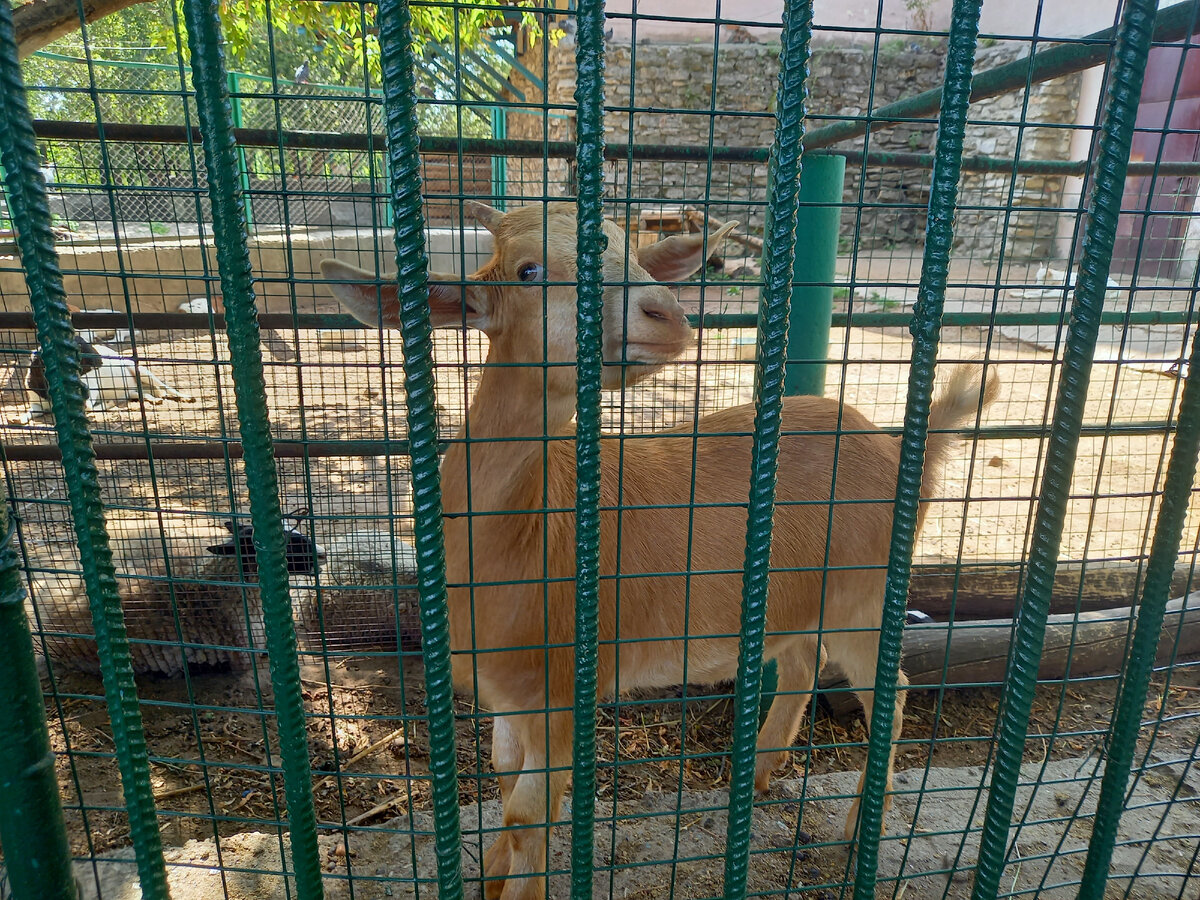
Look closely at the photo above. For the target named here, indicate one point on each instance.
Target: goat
(510, 550)
(118, 380)
(212, 589)
(36, 383)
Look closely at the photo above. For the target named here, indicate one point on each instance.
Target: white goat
(678, 497)
(119, 380)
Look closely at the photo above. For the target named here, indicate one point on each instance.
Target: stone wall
(666, 93)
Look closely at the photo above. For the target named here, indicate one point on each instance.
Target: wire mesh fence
(344, 779)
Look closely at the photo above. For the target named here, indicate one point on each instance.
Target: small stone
(995, 462)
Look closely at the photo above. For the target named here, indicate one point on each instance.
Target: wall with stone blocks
(674, 94)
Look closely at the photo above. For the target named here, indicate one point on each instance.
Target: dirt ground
(366, 720)
(211, 736)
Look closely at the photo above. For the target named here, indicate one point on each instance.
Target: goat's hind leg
(798, 666)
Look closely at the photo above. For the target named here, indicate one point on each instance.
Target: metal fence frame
(44, 870)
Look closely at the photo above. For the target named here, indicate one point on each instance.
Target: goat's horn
(485, 215)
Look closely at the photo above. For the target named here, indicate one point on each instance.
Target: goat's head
(302, 553)
(524, 299)
(35, 377)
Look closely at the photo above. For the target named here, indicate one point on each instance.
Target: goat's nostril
(656, 314)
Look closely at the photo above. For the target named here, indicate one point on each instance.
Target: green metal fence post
(235, 106)
(499, 163)
(412, 265)
(926, 331)
(591, 243)
(770, 371)
(60, 354)
(1125, 85)
(32, 831)
(245, 349)
(817, 220)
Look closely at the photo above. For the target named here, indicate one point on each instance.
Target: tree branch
(39, 22)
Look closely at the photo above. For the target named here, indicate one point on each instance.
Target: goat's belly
(662, 663)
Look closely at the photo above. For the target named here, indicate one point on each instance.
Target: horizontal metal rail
(326, 140)
(363, 449)
(19, 321)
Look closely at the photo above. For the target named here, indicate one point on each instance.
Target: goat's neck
(504, 435)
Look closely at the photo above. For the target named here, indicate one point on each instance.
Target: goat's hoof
(496, 863)
(852, 823)
(765, 768)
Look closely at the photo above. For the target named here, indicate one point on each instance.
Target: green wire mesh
(313, 709)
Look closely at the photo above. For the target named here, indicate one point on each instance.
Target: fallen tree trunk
(992, 591)
(976, 653)
(1092, 643)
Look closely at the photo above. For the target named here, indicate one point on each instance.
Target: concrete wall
(159, 274)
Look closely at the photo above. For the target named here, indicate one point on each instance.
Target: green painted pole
(499, 163)
(235, 108)
(817, 221)
(32, 831)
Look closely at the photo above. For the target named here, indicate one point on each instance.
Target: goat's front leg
(797, 665)
(515, 866)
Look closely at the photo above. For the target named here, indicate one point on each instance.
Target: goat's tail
(962, 397)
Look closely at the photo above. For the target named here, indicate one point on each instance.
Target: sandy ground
(644, 847)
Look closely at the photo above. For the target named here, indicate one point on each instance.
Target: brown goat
(511, 574)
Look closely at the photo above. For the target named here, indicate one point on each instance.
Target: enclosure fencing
(1061, 521)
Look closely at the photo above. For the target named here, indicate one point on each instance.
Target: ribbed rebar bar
(589, 98)
(33, 834)
(60, 355)
(770, 372)
(233, 260)
(1125, 85)
(399, 89)
(926, 329)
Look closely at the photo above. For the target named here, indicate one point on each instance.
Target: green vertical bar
(813, 273)
(925, 327)
(499, 162)
(243, 169)
(245, 350)
(400, 110)
(779, 249)
(1125, 87)
(1164, 552)
(591, 243)
(31, 218)
(32, 831)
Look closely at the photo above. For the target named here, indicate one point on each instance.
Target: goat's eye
(531, 272)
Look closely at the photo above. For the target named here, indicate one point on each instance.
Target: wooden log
(967, 655)
(992, 591)
(1092, 643)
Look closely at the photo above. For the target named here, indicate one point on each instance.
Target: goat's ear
(680, 255)
(455, 302)
(485, 215)
(362, 295)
